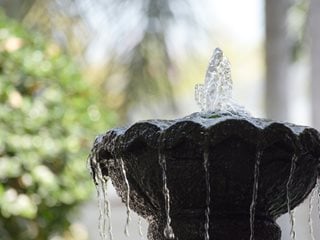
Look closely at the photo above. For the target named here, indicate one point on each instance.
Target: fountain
(218, 174)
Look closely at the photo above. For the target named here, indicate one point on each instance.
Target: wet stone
(232, 145)
(217, 174)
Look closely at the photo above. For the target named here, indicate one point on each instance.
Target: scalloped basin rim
(251, 129)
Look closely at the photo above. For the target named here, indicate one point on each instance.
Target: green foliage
(48, 118)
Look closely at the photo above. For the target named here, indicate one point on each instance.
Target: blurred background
(70, 70)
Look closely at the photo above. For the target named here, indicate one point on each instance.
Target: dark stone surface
(233, 143)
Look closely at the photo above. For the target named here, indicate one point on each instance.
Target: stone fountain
(219, 174)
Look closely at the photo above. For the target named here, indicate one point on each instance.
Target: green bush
(48, 118)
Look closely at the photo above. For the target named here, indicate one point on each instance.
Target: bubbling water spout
(215, 94)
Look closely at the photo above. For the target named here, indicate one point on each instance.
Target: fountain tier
(232, 144)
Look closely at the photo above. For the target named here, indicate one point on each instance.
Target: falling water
(313, 193)
(126, 230)
(290, 212)
(101, 182)
(207, 211)
(140, 226)
(254, 193)
(105, 210)
(318, 195)
(168, 231)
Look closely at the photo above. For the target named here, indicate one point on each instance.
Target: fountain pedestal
(288, 157)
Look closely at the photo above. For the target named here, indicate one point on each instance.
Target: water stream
(126, 229)
(140, 226)
(101, 183)
(318, 195)
(206, 165)
(168, 231)
(291, 212)
(105, 226)
(310, 222)
(254, 193)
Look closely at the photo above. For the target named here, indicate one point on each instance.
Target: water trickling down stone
(208, 200)
(254, 193)
(101, 182)
(126, 230)
(215, 95)
(140, 226)
(318, 195)
(291, 212)
(105, 211)
(310, 222)
(168, 231)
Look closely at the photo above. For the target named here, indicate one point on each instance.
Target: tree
(140, 60)
(63, 21)
(48, 118)
(16, 9)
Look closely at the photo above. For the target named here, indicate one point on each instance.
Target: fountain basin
(233, 144)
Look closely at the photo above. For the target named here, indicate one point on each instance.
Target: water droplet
(168, 232)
